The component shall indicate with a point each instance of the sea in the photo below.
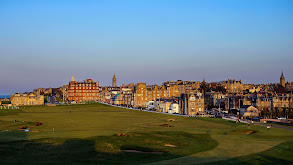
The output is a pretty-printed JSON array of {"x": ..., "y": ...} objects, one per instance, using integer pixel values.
[{"x": 4, "y": 96}]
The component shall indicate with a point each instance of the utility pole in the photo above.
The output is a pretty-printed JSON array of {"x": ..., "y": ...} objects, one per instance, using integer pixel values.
[
  {"x": 228, "y": 103},
  {"x": 239, "y": 102},
  {"x": 63, "y": 95},
  {"x": 220, "y": 105},
  {"x": 270, "y": 108}
]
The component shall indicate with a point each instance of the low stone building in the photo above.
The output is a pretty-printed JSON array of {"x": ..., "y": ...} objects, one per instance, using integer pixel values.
[
  {"x": 19, "y": 99},
  {"x": 249, "y": 111}
]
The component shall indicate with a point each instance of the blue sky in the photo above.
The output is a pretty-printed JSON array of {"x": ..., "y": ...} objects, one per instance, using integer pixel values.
[{"x": 42, "y": 43}]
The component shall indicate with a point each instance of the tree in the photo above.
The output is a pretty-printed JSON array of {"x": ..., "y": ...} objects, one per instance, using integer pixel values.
[
  {"x": 204, "y": 87},
  {"x": 221, "y": 89}
]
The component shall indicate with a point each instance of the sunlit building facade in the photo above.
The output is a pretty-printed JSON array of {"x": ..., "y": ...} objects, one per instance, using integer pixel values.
[{"x": 88, "y": 90}]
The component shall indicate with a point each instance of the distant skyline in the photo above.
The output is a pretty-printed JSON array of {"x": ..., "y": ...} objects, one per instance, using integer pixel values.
[{"x": 43, "y": 43}]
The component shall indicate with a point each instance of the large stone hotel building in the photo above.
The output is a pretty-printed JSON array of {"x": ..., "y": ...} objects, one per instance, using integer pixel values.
[{"x": 88, "y": 90}]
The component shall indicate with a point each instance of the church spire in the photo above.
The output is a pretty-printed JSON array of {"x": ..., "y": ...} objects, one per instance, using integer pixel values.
[
  {"x": 114, "y": 84},
  {"x": 282, "y": 75},
  {"x": 72, "y": 78},
  {"x": 282, "y": 79}
]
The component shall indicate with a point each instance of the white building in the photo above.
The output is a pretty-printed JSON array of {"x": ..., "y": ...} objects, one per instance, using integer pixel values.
[
  {"x": 151, "y": 105},
  {"x": 174, "y": 108}
]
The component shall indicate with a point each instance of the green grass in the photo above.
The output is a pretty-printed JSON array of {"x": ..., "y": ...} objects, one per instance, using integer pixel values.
[
  {"x": 105, "y": 149},
  {"x": 85, "y": 134},
  {"x": 280, "y": 154},
  {"x": 5, "y": 112}
]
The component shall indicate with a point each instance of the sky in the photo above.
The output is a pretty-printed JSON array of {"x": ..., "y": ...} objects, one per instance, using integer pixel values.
[{"x": 43, "y": 43}]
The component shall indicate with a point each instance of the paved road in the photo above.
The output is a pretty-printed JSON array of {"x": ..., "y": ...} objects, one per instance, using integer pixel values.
[
  {"x": 226, "y": 118},
  {"x": 274, "y": 126}
]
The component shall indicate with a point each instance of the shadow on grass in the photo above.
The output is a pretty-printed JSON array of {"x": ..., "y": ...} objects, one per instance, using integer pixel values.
[
  {"x": 105, "y": 149},
  {"x": 6, "y": 112},
  {"x": 280, "y": 154}
]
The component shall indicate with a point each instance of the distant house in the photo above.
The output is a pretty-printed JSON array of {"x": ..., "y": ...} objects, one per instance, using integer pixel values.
[
  {"x": 174, "y": 108},
  {"x": 249, "y": 111},
  {"x": 191, "y": 103},
  {"x": 151, "y": 105}
]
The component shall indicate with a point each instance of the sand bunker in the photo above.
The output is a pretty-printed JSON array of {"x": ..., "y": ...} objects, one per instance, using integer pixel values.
[
  {"x": 249, "y": 132},
  {"x": 120, "y": 134},
  {"x": 27, "y": 128},
  {"x": 170, "y": 145},
  {"x": 142, "y": 152},
  {"x": 166, "y": 125}
]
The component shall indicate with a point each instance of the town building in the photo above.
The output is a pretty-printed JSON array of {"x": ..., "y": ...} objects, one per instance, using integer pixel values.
[
  {"x": 191, "y": 103},
  {"x": 249, "y": 111},
  {"x": 233, "y": 86},
  {"x": 88, "y": 90},
  {"x": 19, "y": 99},
  {"x": 140, "y": 97}
]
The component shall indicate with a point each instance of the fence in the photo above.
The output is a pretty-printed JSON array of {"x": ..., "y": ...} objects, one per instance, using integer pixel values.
[
  {"x": 202, "y": 116},
  {"x": 9, "y": 107}
]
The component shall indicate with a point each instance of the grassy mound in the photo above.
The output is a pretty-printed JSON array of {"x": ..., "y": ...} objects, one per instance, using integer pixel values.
[
  {"x": 106, "y": 149},
  {"x": 282, "y": 154}
]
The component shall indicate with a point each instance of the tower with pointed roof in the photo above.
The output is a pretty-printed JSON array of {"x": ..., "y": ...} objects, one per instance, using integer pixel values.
[
  {"x": 282, "y": 80},
  {"x": 114, "y": 81},
  {"x": 72, "y": 79}
]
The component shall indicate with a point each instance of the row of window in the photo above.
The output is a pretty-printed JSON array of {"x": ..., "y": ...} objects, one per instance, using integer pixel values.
[
  {"x": 82, "y": 94},
  {"x": 74, "y": 91},
  {"x": 84, "y": 88},
  {"x": 84, "y": 98},
  {"x": 84, "y": 85}
]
